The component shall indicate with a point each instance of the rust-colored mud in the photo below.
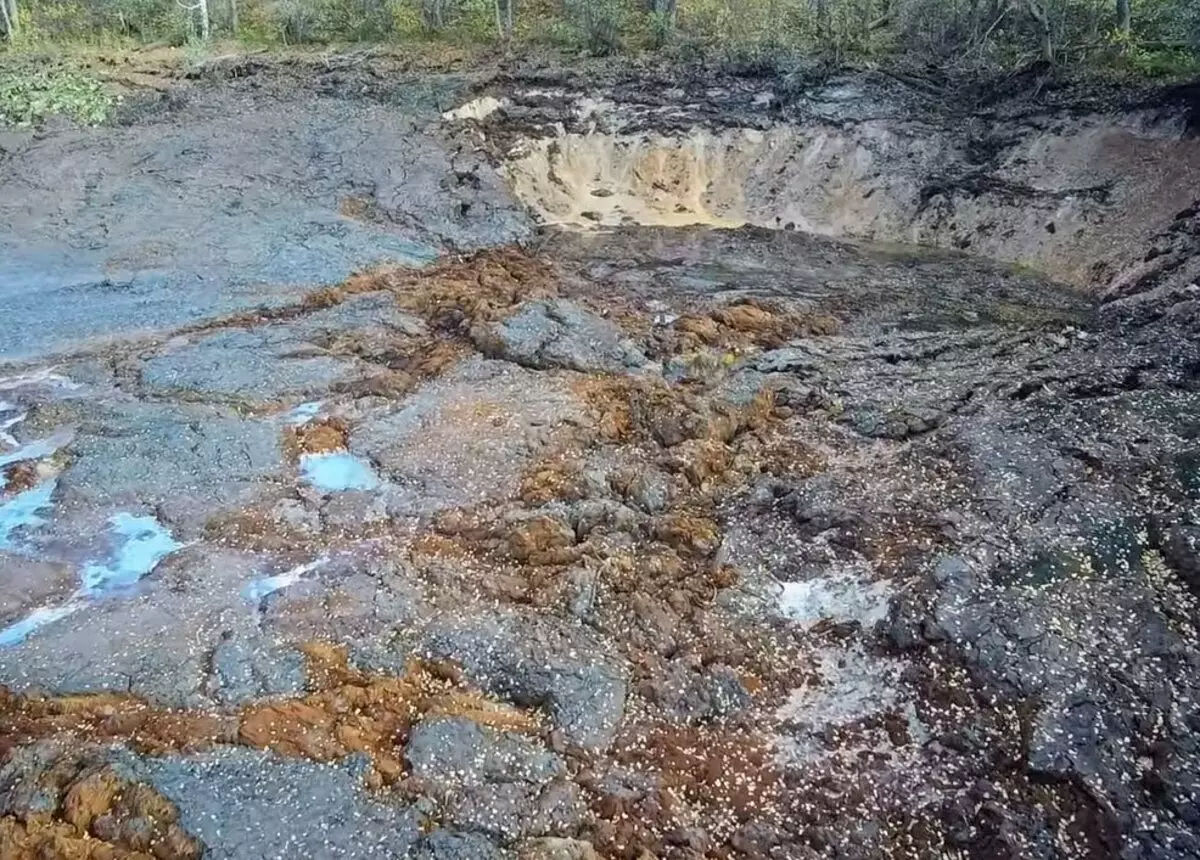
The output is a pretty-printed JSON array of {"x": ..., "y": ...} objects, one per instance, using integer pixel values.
[
  {"x": 358, "y": 712},
  {"x": 714, "y": 779},
  {"x": 347, "y": 712},
  {"x": 750, "y": 323},
  {"x": 453, "y": 295},
  {"x": 20, "y": 477},
  {"x": 109, "y": 717},
  {"x": 553, "y": 480},
  {"x": 100, "y": 816},
  {"x": 256, "y": 529},
  {"x": 315, "y": 437}
]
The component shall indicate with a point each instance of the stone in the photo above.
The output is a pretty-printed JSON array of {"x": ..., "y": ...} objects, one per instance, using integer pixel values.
[
  {"x": 581, "y": 592},
  {"x": 243, "y": 803},
  {"x": 444, "y": 844},
  {"x": 501, "y": 783},
  {"x": 550, "y": 848},
  {"x": 246, "y": 667},
  {"x": 262, "y": 364},
  {"x": 559, "y": 333},
  {"x": 513, "y": 810},
  {"x": 537, "y": 662},
  {"x": 456, "y": 750},
  {"x": 467, "y": 437},
  {"x": 188, "y": 459},
  {"x": 354, "y": 510}
]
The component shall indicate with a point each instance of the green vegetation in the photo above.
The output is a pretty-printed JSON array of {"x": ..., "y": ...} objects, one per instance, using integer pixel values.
[
  {"x": 28, "y": 95},
  {"x": 1151, "y": 38}
]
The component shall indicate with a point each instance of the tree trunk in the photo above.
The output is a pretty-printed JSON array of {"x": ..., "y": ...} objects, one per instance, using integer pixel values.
[
  {"x": 1043, "y": 20},
  {"x": 12, "y": 20},
  {"x": 233, "y": 16},
  {"x": 1124, "y": 18},
  {"x": 204, "y": 27},
  {"x": 663, "y": 8}
]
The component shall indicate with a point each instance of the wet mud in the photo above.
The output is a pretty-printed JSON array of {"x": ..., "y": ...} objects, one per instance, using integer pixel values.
[{"x": 668, "y": 502}]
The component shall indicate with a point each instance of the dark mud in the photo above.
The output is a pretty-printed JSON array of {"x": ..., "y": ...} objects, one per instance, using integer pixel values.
[
  {"x": 644, "y": 541},
  {"x": 227, "y": 198}
]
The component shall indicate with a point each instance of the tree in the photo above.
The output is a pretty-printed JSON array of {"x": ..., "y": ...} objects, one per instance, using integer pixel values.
[
  {"x": 1124, "y": 18},
  {"x": 12, "y": 22},
  {"x": 201, "y": 7},
  {"x": 436, "y": 14},
  {"x": 1038, "y": 13},
  {"x": 504, "y": 18}
]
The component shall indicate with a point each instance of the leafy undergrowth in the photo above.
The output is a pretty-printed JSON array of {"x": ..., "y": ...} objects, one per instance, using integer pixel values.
[{"x": 29, "y": 95}]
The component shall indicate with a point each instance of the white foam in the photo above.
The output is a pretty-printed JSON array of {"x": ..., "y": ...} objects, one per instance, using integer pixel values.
[
  {"x": 256, "y": 590},
  {"x": 841, "y": 597},
  {"x": 303, "y": 413},
  {"x": 478, "y": 108}
]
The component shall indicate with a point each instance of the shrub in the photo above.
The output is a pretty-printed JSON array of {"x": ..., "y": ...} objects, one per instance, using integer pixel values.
[
  {"x": 28, "y": 96},
  {"x": 597, "y": 24}
]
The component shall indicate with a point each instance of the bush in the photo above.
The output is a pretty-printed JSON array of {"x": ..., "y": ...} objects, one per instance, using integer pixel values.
[
  {"x": 295, "y": 21},
  {"x": 597, "y": 25},
  {"x": 28, "y": 96}
]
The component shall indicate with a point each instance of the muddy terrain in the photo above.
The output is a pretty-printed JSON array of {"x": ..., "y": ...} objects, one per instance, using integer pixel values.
[{"x": 483, "y": 466}]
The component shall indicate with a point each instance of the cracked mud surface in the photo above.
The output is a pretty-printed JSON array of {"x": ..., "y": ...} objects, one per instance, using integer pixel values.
[{"x": 645, "y": 541}]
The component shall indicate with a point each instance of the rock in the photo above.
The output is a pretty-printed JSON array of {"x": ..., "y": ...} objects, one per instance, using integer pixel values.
[
  {"x": 556, "y": 849},
  {"x": 354, "y": 510},
  {"x": 558, "y": 333},
  {"x": 501, "y": 783},
  {"x": 444, "y": 844},
  {"x": 590, "y": 514},
  {"x": 364, "y": 314},
  {"x": 244, "y": 803},
  {"x": 294, "y": 514},
  {"x": 647, "y": 489},
  {"x": 467, "y": 437},
  {"x": 954, "y": 574},
  {"x": 1181, "y": 550},
  {"x": 261, "y": 364},
  {"x": 537, "y": 662},
  {"x": 581, "y": 592},
  {"x": 708, "y": 694},
  {"x": 247, "y": 666},
  {"x": 515, "y": 810},
  {"x": 456, "y": 750},
  {"x": 188, "y": 459},
  {"x": 542, "y": 539}
]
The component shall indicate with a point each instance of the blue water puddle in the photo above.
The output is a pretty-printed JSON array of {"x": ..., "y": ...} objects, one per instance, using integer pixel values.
[
  {"x": 24, "y": 510},
  {"x": 265, "y": 586},
  {"x": 143, "y": 543},
  {"x": 140, "y": 544},
  {"x": 338, "y": 472},
  {"x": 17, "y": 633},
  {"x": 303, "y": 413}
]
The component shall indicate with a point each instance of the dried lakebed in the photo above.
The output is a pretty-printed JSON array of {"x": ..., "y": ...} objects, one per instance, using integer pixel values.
[{"x": 632, "y": 538}]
